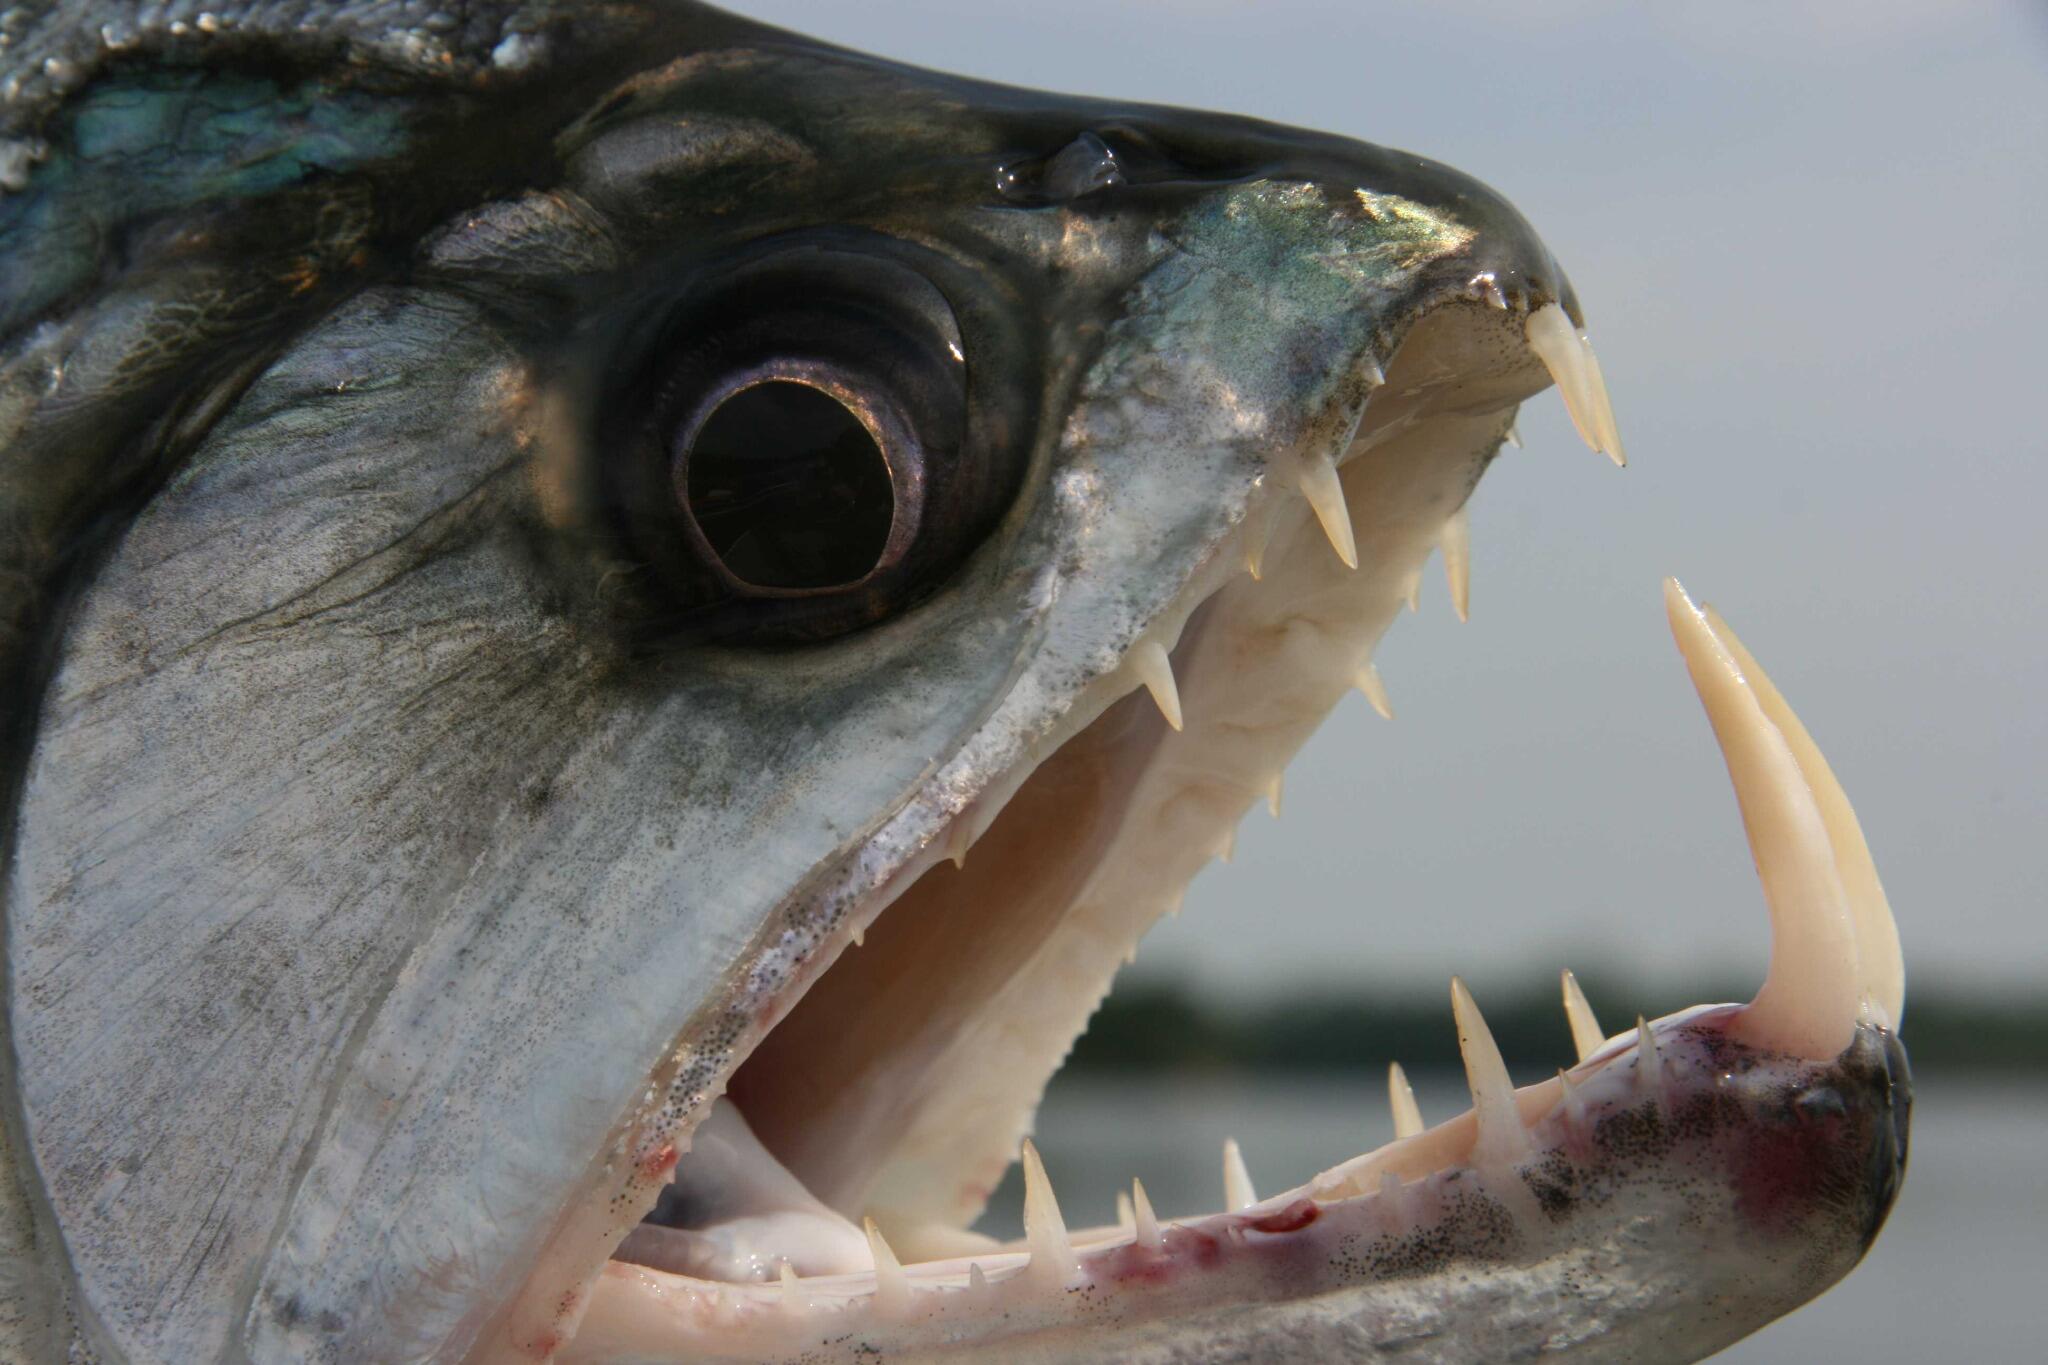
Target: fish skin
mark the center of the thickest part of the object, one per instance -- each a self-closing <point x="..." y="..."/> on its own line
<point x="443" y="856"/>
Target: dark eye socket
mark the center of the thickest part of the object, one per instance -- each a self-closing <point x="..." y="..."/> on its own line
<point x="789" y="487"/>
<point x="801" y="445"/>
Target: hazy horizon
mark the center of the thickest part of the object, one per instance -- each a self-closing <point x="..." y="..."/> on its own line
<point x="1803" y="239"/>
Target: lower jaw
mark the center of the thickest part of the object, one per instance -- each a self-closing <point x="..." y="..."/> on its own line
<point x="1668" y="1199"/>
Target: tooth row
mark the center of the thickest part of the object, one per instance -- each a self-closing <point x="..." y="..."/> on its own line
<point x="1457" y="547"/>
<point x="1155" y="671"/>
<point x="1374" y="689"/>
<point x="1877" y="933"/>
<point x="1565" y="353"/>
<point x="892" y="1282"/>
<point x="1568" y="355"/>
<point x="1325" y="494"/>
<point x="1834" y="946"/>
<point x="1586" y="1034"/>
<point x="1053" y="1262"/>
<point x="1401" y="1097"/>
<point x="1238" y="1193"/>
<point x="1052" y="1252"/>
<point x="1502" y="1139"/>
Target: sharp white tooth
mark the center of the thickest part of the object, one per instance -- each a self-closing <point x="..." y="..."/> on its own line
<point x="1556" y="343"/>
<point x="1227" y="850"/>
<point x="1514" y="436"/>
<point x="892" y="1285"/>
<point x="1568" y="1093"/>
<point x="977" y="1278"/>
<point x="958" y="840"/>
<point x="1502" y="1139"/>
<point x="1237" y="1181"/>
<point x="1415" y="592"/>
<point x="1325" y="494"/>
<point x="1374" y="688"/>
<point x="1586" y="1034"/>
<point x="1126" y="1216"/>
<point x="1813" y="993"/>
<point x="792" y="1296"/>
<point x="1877" y="933"/>
<point x="1374" y="375"/>
<point x="1273" y="793"/>
<point x="1155" y="670"/>
<point x="1258" y="533"/>
<point x="1457" y="547"/>
<point x="1649" y="1065"/>
<point x="1603" y="406"/>
<point x="1400" y="1094"/>
<point x="1052" y="1252"/>
<point x="859" y="935"/>
<point x="1143" y="1220"/>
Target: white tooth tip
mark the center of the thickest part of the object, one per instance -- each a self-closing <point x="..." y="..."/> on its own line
<point x="1238" y="1193"/>
<point x="1502" y="1139"/>
<point x="1586" y="1035"/>
<point x="1374" y="375"/>
<point x="892" y="1285"/>
<point x="1817" y="987"/>
<point x="977" y="1278"/>
<point x="1565" y="354"/>
<point x="1258" y="533"/>
<point x="1144" y="1222"/>
<point x="792" y="1295"/>
<point x="1274" y="790"/>
<point x="1401" y="1095"/>
<point x="1603" y="407"/>
<point x="1045" y="1232"/>
<point x="1374" y="689"/>
<point x="1325" y="494"/>
<point x="1155" y="670"/>
<point x="1877" y="933"/>
<point x="1514" y="436"/>
<point x="1126" y="1216"/>
<point x="1457" y="547"/>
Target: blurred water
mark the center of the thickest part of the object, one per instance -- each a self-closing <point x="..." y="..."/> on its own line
<point x="1956" y="1275"/>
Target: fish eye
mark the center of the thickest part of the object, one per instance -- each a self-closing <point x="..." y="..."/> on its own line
<point x="806" y="448"/>
<point x="790" y="485"/>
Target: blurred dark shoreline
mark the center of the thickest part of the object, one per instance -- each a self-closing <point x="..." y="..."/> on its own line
<point x="1150" y="1025"/>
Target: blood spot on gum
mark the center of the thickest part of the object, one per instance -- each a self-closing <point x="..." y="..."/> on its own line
<point x="1293" y="1218"/>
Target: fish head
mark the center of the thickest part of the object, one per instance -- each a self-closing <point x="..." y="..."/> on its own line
<point x="624" y="643"/>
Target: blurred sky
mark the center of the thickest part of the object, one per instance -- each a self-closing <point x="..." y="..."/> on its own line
<point x="1807" y="238"/>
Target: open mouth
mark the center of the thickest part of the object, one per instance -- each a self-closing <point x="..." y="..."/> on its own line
<point x="827" y="1195"/>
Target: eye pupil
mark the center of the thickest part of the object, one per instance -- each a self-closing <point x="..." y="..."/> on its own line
<point x="789" y="488"/>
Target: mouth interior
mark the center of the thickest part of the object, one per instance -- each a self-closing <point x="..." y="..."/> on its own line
<point x="899" y="1086"/>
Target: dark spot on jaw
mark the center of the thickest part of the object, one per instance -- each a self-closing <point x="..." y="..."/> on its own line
<point x="1554" y="1182"/>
